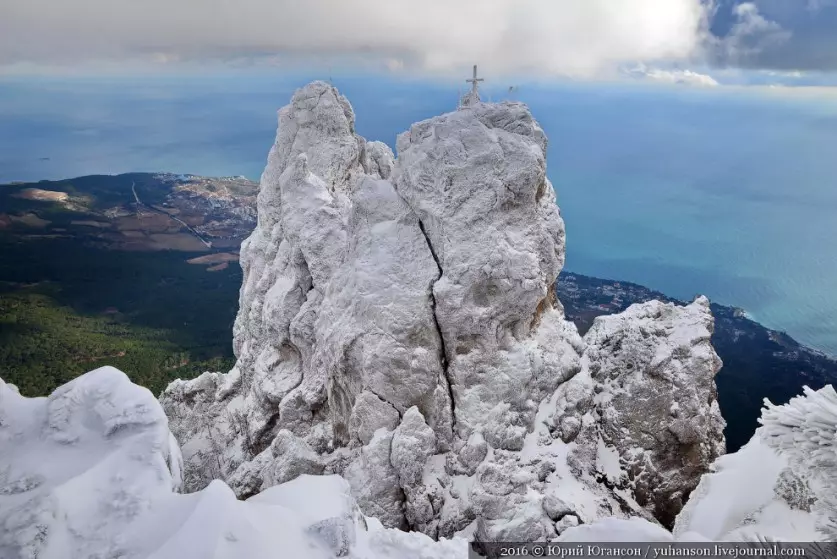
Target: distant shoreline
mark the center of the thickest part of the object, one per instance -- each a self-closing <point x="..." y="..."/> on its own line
<point x="744" y="313"/>
<point x="739" y="311"/>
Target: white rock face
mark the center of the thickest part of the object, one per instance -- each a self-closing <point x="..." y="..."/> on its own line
<point x="314" y="166"/>
<point x="398" y="326"/>
<point x="476" y="179"/>
<point x="89" y="473"/>
<point x="649" y="402"/>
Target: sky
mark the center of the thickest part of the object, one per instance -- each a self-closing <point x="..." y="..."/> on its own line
<point x="692" y="42"/>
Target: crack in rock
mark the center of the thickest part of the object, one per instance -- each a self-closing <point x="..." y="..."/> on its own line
<point x="444" y="352"/>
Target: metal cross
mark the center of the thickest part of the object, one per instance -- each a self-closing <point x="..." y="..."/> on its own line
<point x="475" y="80"/>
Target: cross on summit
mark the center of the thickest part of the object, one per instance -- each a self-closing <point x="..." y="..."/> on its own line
<point x="475" y="82"/>
<point x="472" y="96"/>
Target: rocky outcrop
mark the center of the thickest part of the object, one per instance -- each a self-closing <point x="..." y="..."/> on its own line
<point x="398" y="326"/>
<point x="779" y="487"/>
<point x="646" y="406"/>
<point x="314" y="167"/>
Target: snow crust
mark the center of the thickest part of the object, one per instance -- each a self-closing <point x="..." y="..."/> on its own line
<point x="90" y="472"/>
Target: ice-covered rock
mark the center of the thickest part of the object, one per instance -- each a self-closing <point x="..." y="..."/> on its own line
<point x="313" y="169"/>
<point x="778" y="487"/>
<point x="398" y="326"/>
<point x="89" y="472"/>
<point x="781" y="484"/>
<point x="805" y="431"/>
<point x="77" y="468"/>
<point x="645" y="409"/>
<point x="476" y="180"/>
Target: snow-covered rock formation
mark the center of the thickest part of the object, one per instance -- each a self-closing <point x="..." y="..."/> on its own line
<point x="398" y="326"/>
<point x="778" y="487"/>
<point x="89" y="472"/>
<point x="653" y="400"/>
<point x="80" y="466"/>
<point x="402" y="356"/>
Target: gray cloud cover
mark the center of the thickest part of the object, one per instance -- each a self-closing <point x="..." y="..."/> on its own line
<point x="570" y="37"/>
<point x="551" y="36"/>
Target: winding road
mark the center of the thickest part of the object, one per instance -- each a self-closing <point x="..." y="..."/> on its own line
<point x="167" y="214"/>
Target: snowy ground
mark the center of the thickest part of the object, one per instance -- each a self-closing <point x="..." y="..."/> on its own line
<point x="91" y="471"/>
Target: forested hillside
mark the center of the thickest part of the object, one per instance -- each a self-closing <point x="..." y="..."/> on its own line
<point x="66" y="308"/>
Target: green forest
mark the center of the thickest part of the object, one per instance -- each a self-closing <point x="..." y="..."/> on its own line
<point x="67" y="307"/>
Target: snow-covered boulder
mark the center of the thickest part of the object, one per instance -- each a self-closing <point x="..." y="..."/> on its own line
<point x="781" y="484"/>
<point x="398" y="326"/>
<point x="77" y="468"/>
<point x="649" y="400"/>
<point x="90" y="472"/>
<point x="779" y="487"/>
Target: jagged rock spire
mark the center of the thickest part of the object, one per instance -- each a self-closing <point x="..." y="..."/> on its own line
<point x="398" y="325"/>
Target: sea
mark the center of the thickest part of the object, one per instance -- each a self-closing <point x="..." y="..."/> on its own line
<point x="728" y="192"/>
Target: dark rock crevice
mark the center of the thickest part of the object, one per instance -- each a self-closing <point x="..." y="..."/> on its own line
<point x="384" y="400"/>
<point x="444" y="353"/>
<point x="265" y="436"/>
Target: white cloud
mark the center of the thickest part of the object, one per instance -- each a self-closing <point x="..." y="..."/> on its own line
<point x="793" y="74"/>
<point x="752" y="33"/>
<point x="678" y="77"/>
<point x="570" y="37"/>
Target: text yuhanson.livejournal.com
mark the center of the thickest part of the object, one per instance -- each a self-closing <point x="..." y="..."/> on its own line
<point x="816" y="550"/>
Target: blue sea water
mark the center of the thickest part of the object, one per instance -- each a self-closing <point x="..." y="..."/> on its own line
<point x="723" y="192"/>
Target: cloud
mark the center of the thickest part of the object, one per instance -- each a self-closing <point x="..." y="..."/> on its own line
<point x="783" y="35"/>
<point x="547" y="37"/>
<point x="543" y="38"/>
<point x="676" y="76"/>
<point x="752" y="33"/>
<point x="794" y="74"/>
